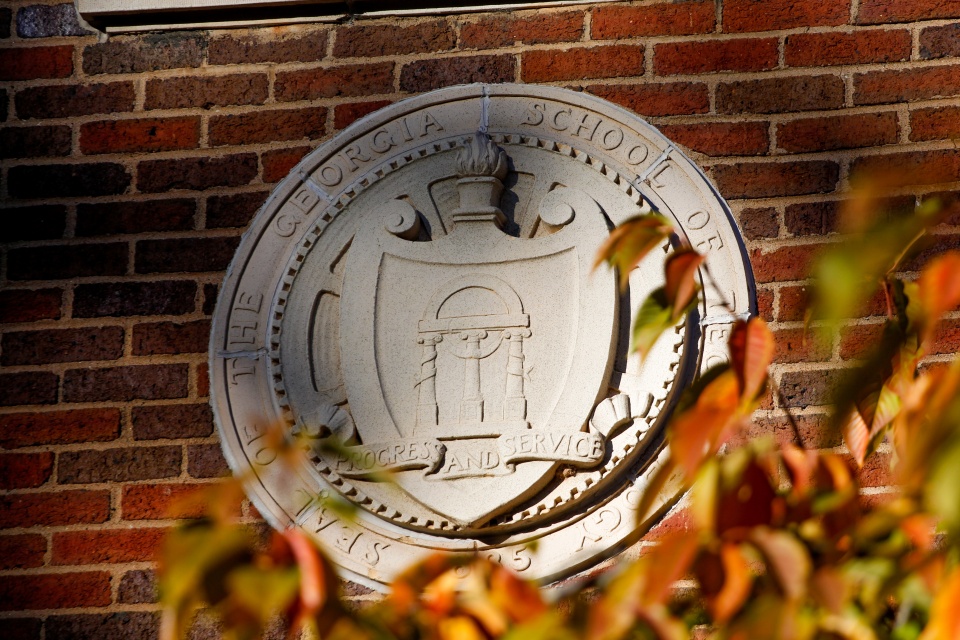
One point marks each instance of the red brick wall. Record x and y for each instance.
(131, 167)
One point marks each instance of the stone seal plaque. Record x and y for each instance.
(418, 297)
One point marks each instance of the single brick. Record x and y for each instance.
(6, 15)
(276, 165)
(49, 21)
(812, 218)
(947, 338)
(135, 382)
(25, 470)
(58, 427)
(137, 54)
(721, 138)
(207, 91)
(185, 254)
(677, 98)
(794, 302)
(21, 628)
(34, 63)
(4, 100)
(879, 87)
(841, 132)
(346, 114)
(881, 11)
(364, 41)
(767, 179)
(330, 82)
(106, 546)
(425, 75)
(206, 461)
(138, 587)
(209, 297)
(22, 552)
(54, 509)
(799, 345)
(611, 61)
(784, 263)
(67, 101)
(203, 380)
(118, 465)
(815, 431)
(502, 30)
(780, 95)
(171, 338)
(67, 261)
(163, 501)
(911, 168)
(54, 591)
(143, 625)
(930, 248)
(196, 173)
(301, 46)
(268, 126)
(34, 387)
(235, 210)
(935, 123)
(39, 222)
(810, 388)
(68, 180)
(747, 54)
(771, 15)
(61, 345)
(662, 19)
(859, 47)
(142, 216)
(765, 304)
(859, 340)
(35, 142)
(940, 42)
(172, 421)
(132, 136)
(30, 305)
(134, 299)
(760, 223)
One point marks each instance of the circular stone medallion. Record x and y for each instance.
(419, 297)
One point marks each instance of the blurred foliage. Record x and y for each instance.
(781, 545)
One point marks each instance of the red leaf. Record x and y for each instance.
(697, 432)
(939, 286)
(737, 582)
(751, 352)
(681, 278)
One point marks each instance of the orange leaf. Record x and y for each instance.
(945, 614)
(751, 352)
(856, 435)
(669, 562)
(630, 242)
(939, 286)
(801, 464)
(681, 278)
(787, 560)
(696, 433)
(313, 592)
(737, 582)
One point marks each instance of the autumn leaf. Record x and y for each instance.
(681, 285)
(630, 242)
(751, 352)
(787, 560)
(697, 432)
(945, 614)
(653, 318)
(737, 582)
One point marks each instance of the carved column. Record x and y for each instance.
(515, 404)
(471, 407)
(427, 413)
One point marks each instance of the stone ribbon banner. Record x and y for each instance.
(493, 456)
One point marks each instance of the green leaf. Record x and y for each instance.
(653, 318)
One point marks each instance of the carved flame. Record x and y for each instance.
(481, 157)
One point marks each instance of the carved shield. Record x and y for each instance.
(473, 360)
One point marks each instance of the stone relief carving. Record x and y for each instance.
(420, 290)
